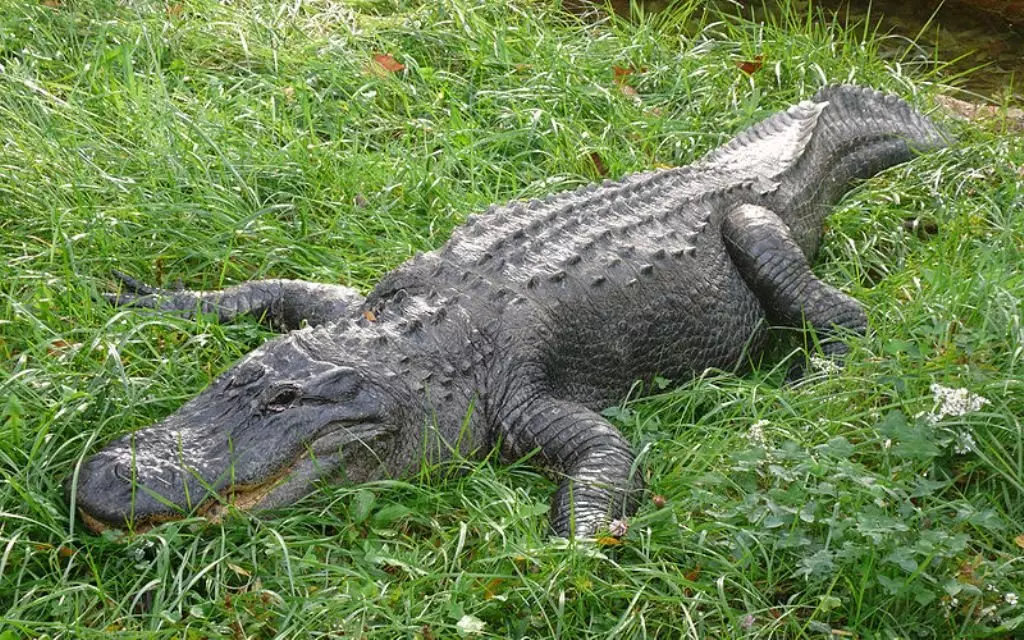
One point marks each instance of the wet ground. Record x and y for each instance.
(986, 52)
(986, 47)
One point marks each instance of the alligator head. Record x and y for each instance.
(259, 436)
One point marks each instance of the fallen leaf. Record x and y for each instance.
(58, 347)
(386, 62)
(599, 165)
(1019, 541)
(628, 91)
(619, 73)
(749, 67)
(693, 574)
(239, 570)
(492, 588)
(608, 541)
(174, 10)
(968, 570)
(289, 93)
(370, 316)
(53, 4)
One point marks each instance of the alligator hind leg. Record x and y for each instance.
(281, 304)
(585, 453)
(776, 270)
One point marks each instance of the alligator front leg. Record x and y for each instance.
(281, 304)
(591, 460)
(762, 247)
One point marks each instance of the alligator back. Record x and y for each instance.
(622, 281)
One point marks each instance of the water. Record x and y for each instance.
(981, 41)
(988, 50)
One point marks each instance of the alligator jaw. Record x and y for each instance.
(317, 460)
(242, 497)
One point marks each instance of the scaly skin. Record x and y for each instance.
(515, 333)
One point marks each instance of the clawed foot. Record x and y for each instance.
(137, 294)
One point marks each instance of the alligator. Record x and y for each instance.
(516, 333)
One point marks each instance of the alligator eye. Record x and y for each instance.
(282, 398)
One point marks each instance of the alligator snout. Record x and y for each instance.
(157, 474)
(108, 495)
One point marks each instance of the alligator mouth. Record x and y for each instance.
(110, 499)
(244, 497)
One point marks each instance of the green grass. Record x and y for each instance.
(209, 143)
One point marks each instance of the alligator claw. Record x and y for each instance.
(795, 374)
(133, 285)
(147, 301)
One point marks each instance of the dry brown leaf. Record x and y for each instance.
(58, 347)
(53, 4)
(239, 570)
(968, 570)
(750, 67)
(628, 91)
(492, 588)
(1019, 541)
(693, 574)
(174, 10)
(619, 73)
(599, 165)
(387, 62)
(608, 541)
(370, 316)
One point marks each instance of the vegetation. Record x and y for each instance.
(208, 143)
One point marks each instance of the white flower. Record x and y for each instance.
(1011, 598)
(953, 402)
(756, 433)
(618, 528)
(470, 625)
(827, 366)
(964, 443)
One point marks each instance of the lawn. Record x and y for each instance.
(206, 143)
